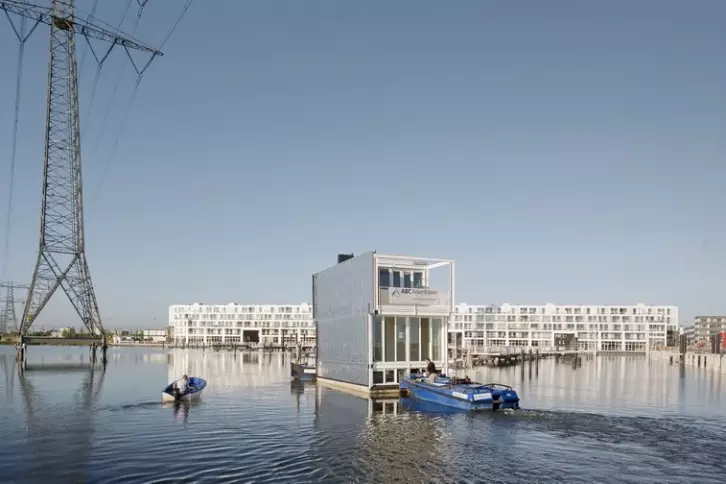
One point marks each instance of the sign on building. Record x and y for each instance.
(416, 296)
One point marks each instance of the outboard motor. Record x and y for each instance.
(177, 394)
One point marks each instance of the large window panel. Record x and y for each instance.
(390, 337)
(377, 338)
(413, 332)
(436, 339)
(384, 278)
(400, 338)
(425, 337)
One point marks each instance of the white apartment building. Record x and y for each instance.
(594, 328)
(154, 335)
(264, 324)
(705, 326)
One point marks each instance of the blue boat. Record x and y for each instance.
(461, 393)
(193, 391)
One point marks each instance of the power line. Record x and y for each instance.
(171, 31)
(22, 37)
(61, 258)
(85, 52)
(114, 149)
(101, 61)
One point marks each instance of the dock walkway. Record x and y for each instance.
(511, 355)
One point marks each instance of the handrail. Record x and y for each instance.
(498, 385)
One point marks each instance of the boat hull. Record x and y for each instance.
(303, 372)
(193, 393)
(188, 397)
(472, 396)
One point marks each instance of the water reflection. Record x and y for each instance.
(8, 363)
(301, 389)
(623, 384)
(47, 430)
(181, 410)
(228, 368)
(586, 422)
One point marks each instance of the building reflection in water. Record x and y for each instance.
(228, 369)
(394, 441)
(137, 355)
(624, 383)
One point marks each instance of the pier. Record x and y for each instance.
(240, 347)
(509, 355)
(51, 341)
(708, 361)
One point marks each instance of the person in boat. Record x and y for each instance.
(431, 370)
(181, 386)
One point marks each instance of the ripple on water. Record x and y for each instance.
(253, 426)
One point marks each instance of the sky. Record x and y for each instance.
(564, 151)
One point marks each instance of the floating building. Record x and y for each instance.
(585, 327)
(263, 324)
(378, 318)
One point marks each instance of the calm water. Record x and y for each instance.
(611, 420)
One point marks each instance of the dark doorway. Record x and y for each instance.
(564, 342)
(251, 336)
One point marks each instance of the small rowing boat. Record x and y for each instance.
(193, 392)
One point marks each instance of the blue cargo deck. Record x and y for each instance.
(462, 393)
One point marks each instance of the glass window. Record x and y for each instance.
(436, 339)
(400, 338)
(418, 279)
(377, 338)
(384, 278)
(407, 279)
(425, 338)
(390, 376)
(377, 377)
(390, 337)
(396, 279)
(413, 334)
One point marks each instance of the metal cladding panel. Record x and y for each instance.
(343, 300)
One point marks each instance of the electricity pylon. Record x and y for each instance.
(62, 254)
(8, 318)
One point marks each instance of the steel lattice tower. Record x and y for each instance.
(8, 317)
(11, 319)
(61, 255)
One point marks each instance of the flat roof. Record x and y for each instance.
(407, 260)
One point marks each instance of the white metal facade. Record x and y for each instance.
(597, 328)
(343, 299)
(204, 324)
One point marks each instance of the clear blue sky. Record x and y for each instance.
(560, 151)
